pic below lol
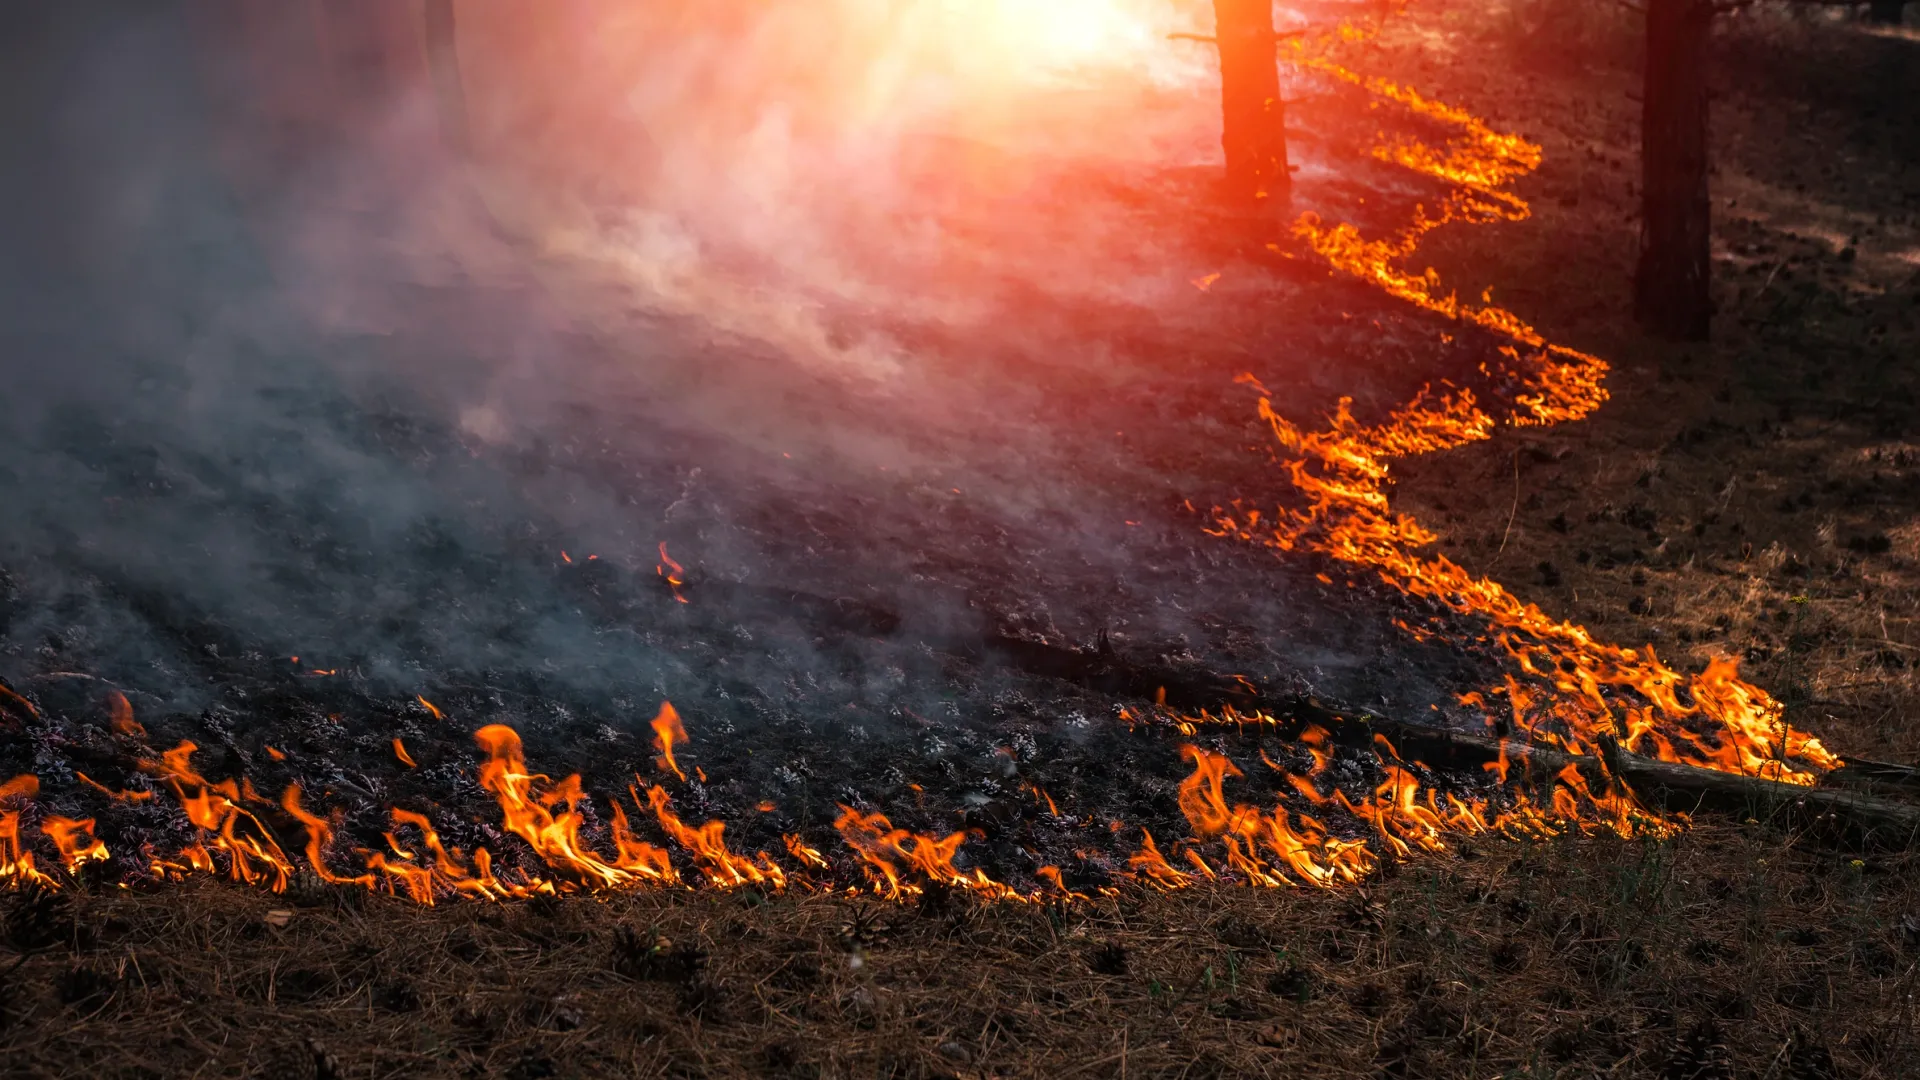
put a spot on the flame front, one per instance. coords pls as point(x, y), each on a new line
point(1571, 691)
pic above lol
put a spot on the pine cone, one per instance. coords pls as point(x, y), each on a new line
point(39, 918)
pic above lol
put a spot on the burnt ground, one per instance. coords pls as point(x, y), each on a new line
point(1721, 485)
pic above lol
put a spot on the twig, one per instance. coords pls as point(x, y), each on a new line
point(1511, 514)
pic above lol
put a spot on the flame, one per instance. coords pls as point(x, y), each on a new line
point(893, 856)
point(430, 707)
point(1568, 691)
point(799, 849)
point(224, 826)
point(529, 814)
point(16, 862)
point(122, 716)
point(319, 838)
point(708, 845)
point(1712, 719)
point(400, 751)
point(75, 841)
point(672, 573)
point(1282, 848)
point(666, 732)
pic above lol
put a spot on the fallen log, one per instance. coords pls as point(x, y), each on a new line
point(1846, 817)
point(1869, 774)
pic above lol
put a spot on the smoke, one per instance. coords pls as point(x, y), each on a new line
point(287, 374)
point(766, 166)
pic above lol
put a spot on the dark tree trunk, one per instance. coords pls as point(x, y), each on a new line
point(1889, 12)
point(443, 63)
point(1671, 281)
point(1253, 131)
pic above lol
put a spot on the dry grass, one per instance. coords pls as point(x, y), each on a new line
point(1579, 957)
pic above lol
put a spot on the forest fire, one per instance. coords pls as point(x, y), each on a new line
point(1328, 829)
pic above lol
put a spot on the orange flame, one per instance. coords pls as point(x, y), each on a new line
point(74, 840)
point(555, 837)
point(1712, 719)
point(667, 731)
point(671, 572)
point(122, 718)
point(16, 862)
point(708, 845)
point(894, 855)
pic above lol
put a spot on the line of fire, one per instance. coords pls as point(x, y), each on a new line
point(682, 474)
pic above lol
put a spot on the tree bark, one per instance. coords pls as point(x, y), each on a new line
point(1671, 280)
point(1253, 129)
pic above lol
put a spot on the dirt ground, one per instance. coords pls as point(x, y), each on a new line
point(1759, 495)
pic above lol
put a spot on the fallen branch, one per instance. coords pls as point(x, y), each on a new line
point(1848, 817)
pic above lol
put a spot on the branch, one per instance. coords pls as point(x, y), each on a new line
point(1275, 36)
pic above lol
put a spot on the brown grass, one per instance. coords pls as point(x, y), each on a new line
point(1585, 956)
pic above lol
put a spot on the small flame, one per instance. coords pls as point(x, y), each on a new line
point(400, 751)
point(122, 716)
point(671, 572)
point(894, 856)
point(666, 732)
point(16, 862)
point(75, 841)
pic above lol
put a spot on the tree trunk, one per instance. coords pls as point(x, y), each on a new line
point(1253, 130)
point(1887, 12)
point(443, 65)
point(1670, 283)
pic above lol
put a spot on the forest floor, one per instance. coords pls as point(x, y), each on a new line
point(1759, 496)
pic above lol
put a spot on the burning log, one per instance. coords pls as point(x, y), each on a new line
point(1848, 817)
